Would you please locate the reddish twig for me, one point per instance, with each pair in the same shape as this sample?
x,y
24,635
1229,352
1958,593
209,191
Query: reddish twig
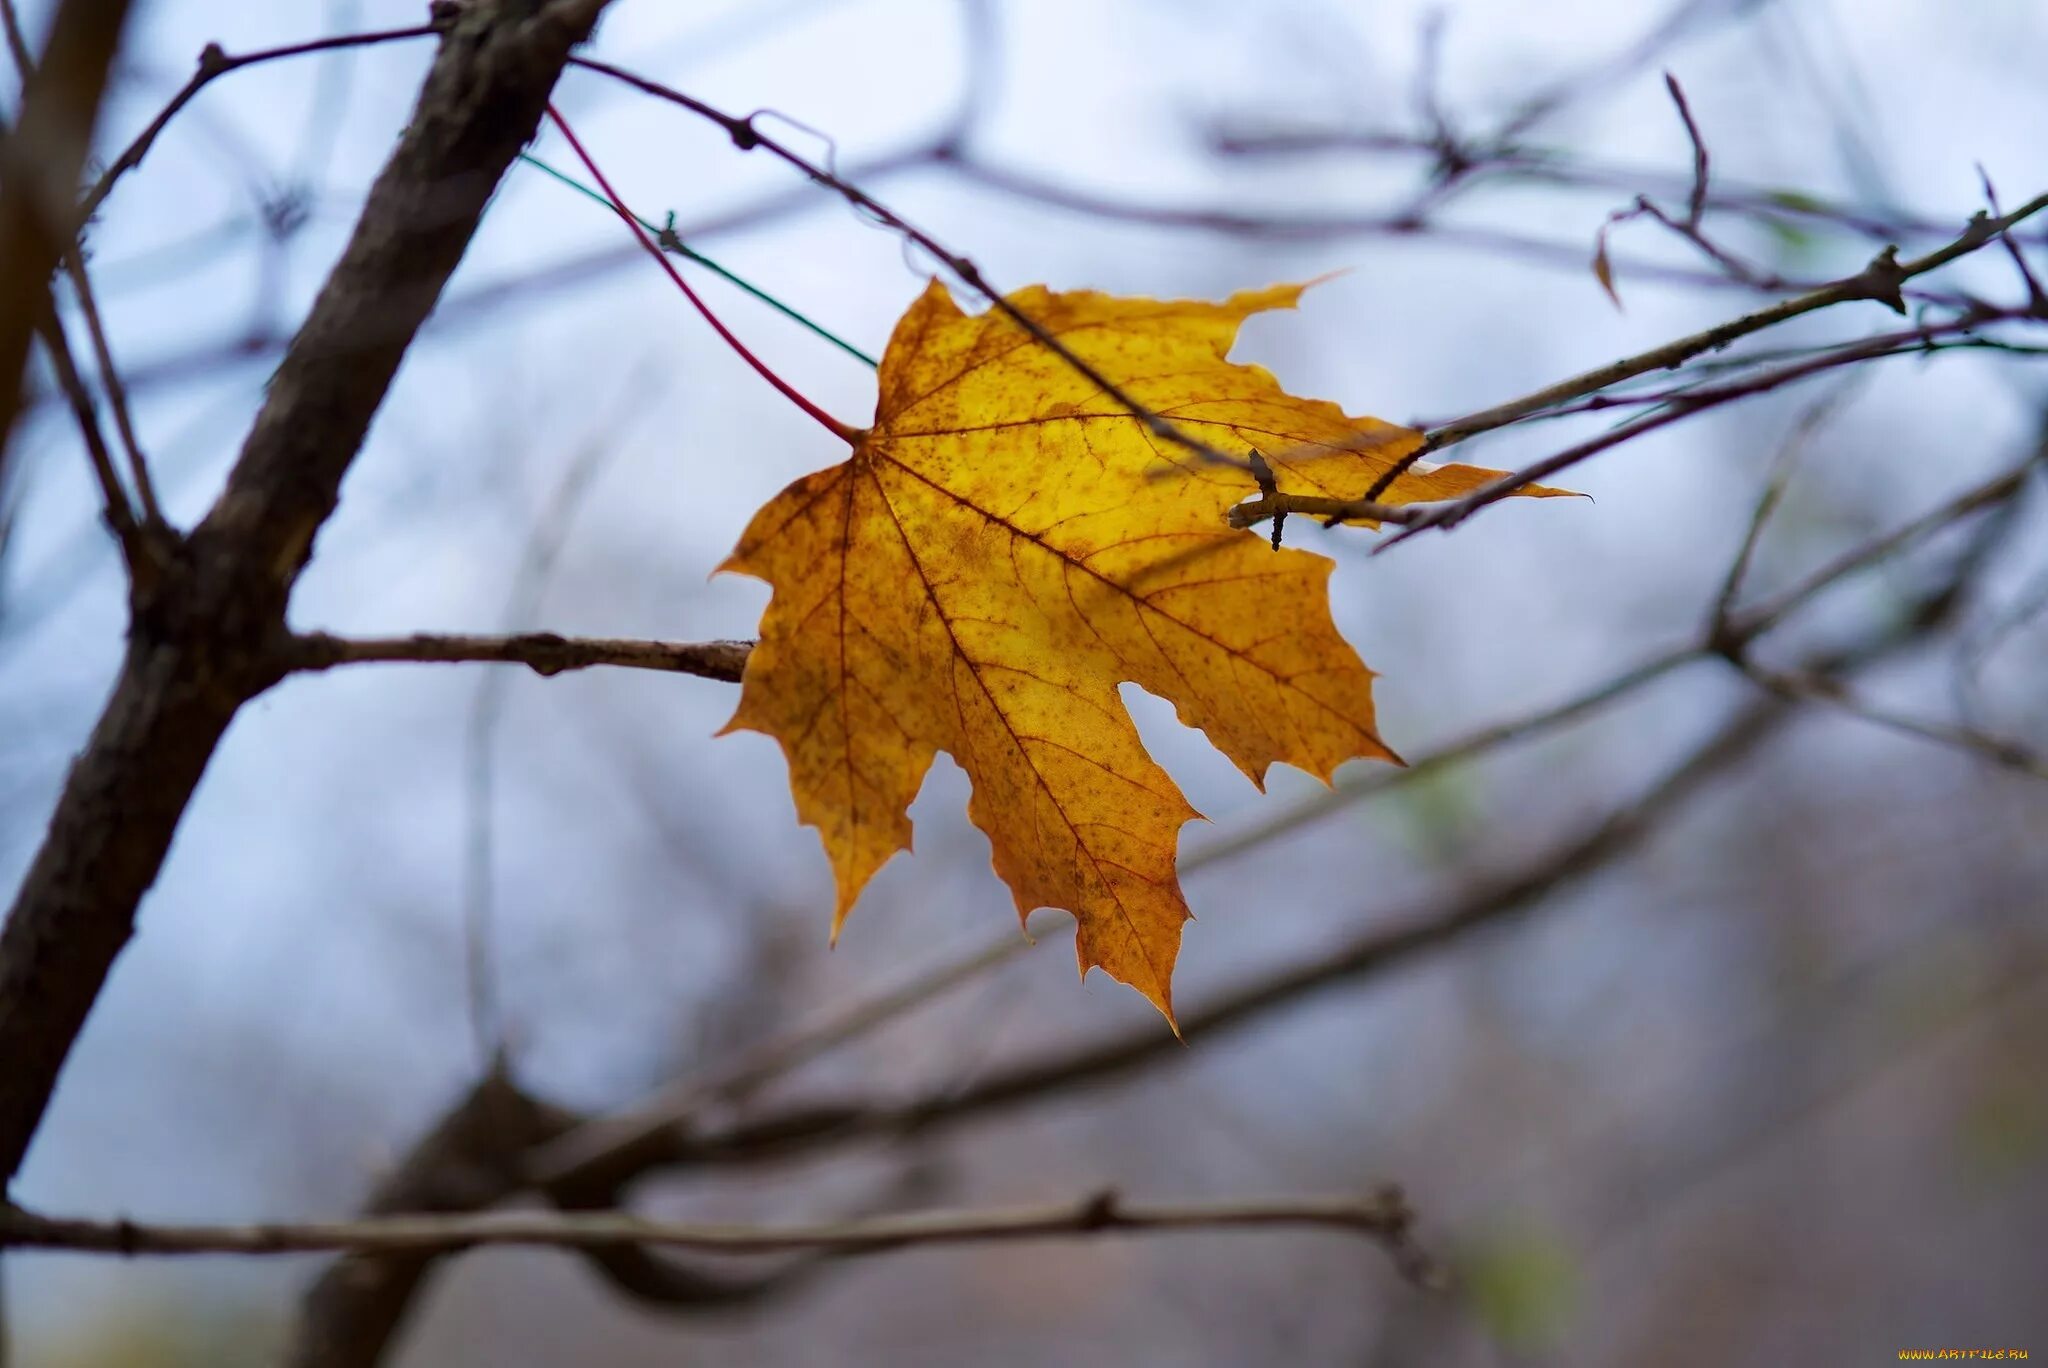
x,y
850,435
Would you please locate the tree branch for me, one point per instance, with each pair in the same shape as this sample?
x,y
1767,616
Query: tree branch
x,y
204,639
471,1158
1383,1216
119,513
747,136
1879,281
545,653
39,166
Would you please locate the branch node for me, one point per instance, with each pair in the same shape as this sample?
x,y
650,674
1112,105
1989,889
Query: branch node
x,y
668,238
1729,639
1884,279
1098,1212
548,659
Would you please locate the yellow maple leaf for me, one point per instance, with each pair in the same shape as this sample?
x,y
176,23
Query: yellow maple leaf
x,y
1005,546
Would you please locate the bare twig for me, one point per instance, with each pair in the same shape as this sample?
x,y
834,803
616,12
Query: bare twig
x,y
1383,1217
1673,404
470,1160
746,135
120,515
1748,624
213,64
17,41
2037,297
1447,515
1549,167
1807,688
545,653
1696,202
1816,417
1236,221
487,704
1879,281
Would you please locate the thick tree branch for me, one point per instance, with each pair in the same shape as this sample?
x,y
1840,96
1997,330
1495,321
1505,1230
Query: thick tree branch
x,y
204,639
1482,160
1665,410
470,1159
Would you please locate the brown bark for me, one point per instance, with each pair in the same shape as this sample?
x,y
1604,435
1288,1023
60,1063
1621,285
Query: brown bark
x,y
208,633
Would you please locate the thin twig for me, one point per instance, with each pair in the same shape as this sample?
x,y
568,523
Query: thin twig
x,y
1696,203
746,136
1748,624
1804,688
1556,168
1879,281
17,41
41,158
1447,515
1236,221
545,653
81,286
213,64
120,514
2037,297
110,380
1790,451
1383,1216
610,1141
